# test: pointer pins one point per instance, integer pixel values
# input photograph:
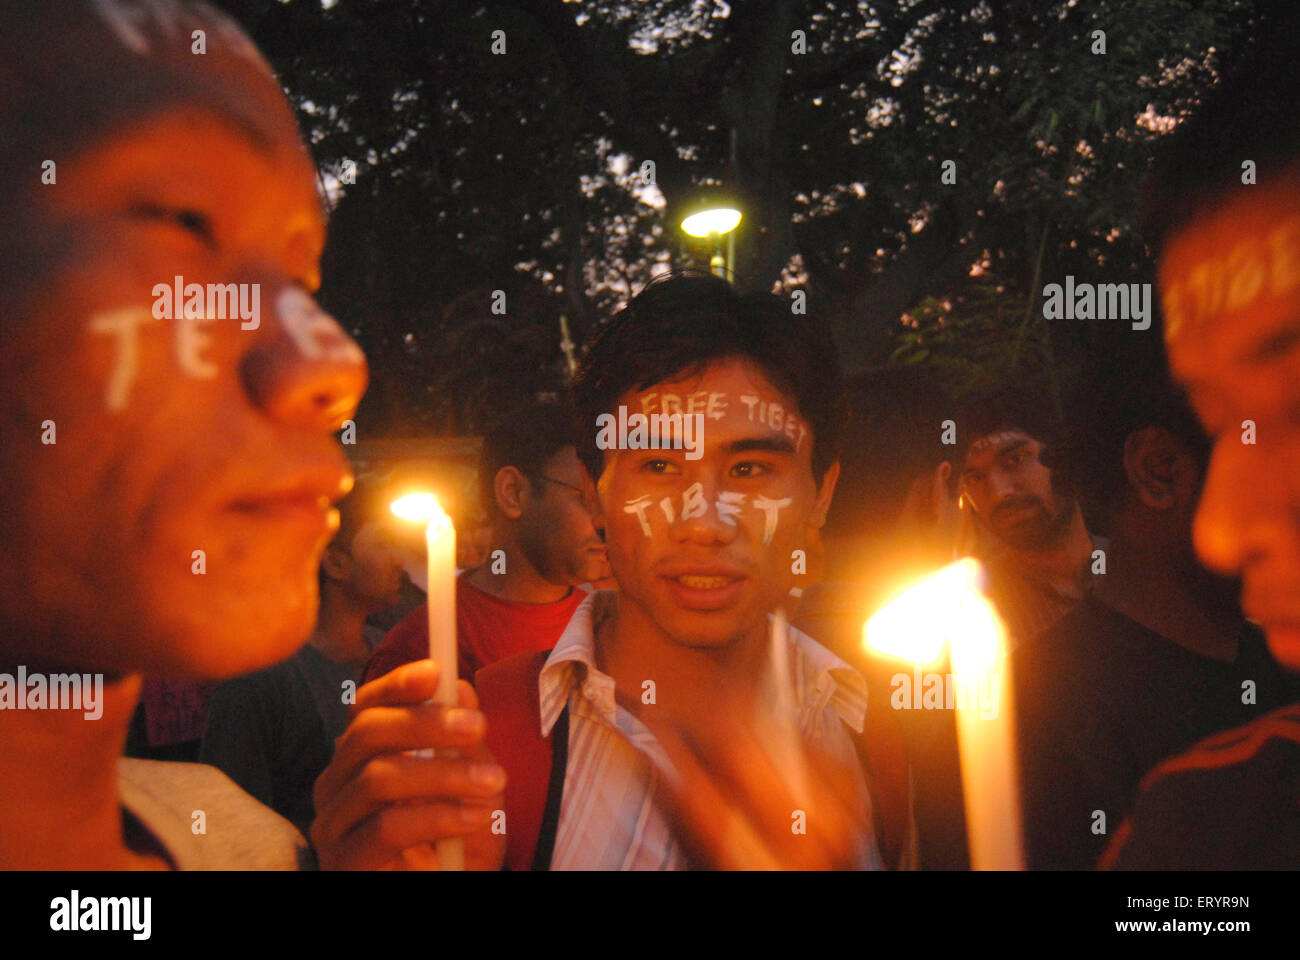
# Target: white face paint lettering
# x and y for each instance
(694, 505)
(728, 506)
(693, 502)
(1259, 266)
(313, 331)
(130, 19)
(773, 415)
(770, 510)
(638, 506)
(190, 340)
(124, 324)
(994, 439)
(123, 20)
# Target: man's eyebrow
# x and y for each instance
(773, 444)
(1275, 345)
(1007, 446)
(1011, 446)
(245, 131)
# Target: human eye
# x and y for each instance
(750, 469)
(659, 465)
(188, 219)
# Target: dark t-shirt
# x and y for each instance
(1100, 701)
(273, 731)
(1229, 803)
(487, 630)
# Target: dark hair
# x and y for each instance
(1251, 115)
(1125, 386)
(893, 435)
(1005, 406)
(526, 438)
(681, 323)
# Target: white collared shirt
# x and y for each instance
(609, 817)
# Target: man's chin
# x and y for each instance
(710, 629)
(233, 632)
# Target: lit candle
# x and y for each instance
(440, 543)
(950, 608)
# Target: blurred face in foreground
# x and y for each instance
(180, 428)
(703, 545)
(1229, 283)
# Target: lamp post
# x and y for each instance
(714, 220)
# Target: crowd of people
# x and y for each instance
(660, 659)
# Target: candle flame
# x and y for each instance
(947, 608)
(420, 508)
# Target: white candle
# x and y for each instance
(440, 544)
(440, 539)
(986, 741)
(950, 608)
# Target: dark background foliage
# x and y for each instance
(519, 172)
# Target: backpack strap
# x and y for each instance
(554, 792)
(510, 697)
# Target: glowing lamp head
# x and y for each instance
(420, 508)
(715, 220)
(947, 608)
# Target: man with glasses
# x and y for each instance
(544, 548)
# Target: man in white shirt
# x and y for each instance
(698, 729)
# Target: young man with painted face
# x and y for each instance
(273, 731)
(1035, 544)
(544, 547)
(168, 482)
(1224, 215)
(656, 735)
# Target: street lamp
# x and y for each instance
(713, 217)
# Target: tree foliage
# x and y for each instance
(520, 171)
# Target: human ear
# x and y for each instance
(509, 487)
(939, 496)
(817, 519)
(1150, 456)
(336, 563)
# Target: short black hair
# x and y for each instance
(681, 323)
(893, 434)
(1250, 115)
(1125, 386)
(1005, 406)
(525, 437)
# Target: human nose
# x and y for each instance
(1234, 519)
(304, 370)
(699, 519)
(1000, 486)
